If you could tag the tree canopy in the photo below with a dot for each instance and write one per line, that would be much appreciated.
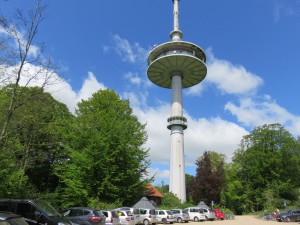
(107, 159)
(34, 145)
(209, 180)
(265, 169)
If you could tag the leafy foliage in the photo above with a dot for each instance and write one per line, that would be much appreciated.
(34, 145)
(107, 160)
(265, 170)
(210, 177)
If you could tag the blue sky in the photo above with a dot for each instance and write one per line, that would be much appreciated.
(253, 61)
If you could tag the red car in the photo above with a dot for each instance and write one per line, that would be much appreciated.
(219, 214)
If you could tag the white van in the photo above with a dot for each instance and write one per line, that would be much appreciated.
(196, 214)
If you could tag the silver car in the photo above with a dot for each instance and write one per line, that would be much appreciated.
(181, 215)
(112, 217)
(148, 216)
(135, 212)
(165, 216)
(126, 218)
(209, 214)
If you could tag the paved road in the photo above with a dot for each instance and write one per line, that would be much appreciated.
(239, 220)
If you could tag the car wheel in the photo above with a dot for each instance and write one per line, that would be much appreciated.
(206, 218)
(146, 222)
(196, 219)
(164, 221)
(288, 219)
(179, 220)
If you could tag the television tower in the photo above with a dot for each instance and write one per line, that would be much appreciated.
(177, 64)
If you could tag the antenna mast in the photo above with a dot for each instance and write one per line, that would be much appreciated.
(176, 34)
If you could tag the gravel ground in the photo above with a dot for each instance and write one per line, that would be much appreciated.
(240, 220)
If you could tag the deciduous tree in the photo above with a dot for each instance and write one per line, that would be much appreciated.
(209, 179)
(35, 146)
(267, 162)
(107, 159)
(21, 62)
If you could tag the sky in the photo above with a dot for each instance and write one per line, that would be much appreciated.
(253, 62)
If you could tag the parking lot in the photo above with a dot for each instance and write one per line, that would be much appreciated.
(240, 220)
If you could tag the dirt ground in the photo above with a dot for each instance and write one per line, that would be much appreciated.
(241, 220)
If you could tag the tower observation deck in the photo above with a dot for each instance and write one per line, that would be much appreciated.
(177, 64)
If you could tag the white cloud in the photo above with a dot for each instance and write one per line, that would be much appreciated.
(133, 78)
(202, 134)
(229, 78)
(64, 93)
(53, 83)
(158, 173)
(158, 135)
(196, 90)
(90, 86)
(285, 9)
(137, 100)
(253, 113)
(214, 134)
(19, 39)
(129, 52)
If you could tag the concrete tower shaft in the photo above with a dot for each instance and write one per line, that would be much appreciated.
(177, 64)
(176, 95)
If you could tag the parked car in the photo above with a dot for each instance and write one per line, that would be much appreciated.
(112, 217)
(181, 215)
(219, 214)
(135, 212)
(8, 218)
(165, 216)
(289, 216)
(126, 218)
(196, 214)
(84, 216)
(209, 214)
(35, 212)
(148, 216)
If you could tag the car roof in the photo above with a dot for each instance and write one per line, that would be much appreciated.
(87, 208)
(8, 215)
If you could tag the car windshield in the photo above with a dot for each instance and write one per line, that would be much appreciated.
(47, 208)
(185, 211)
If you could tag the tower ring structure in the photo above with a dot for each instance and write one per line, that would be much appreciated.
(173, 57)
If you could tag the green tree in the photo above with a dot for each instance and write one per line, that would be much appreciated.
(22, 62)
(34, 146)
(209, 179)
(188, 183)
(107, 159)
(232, 195)
(267, 167)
